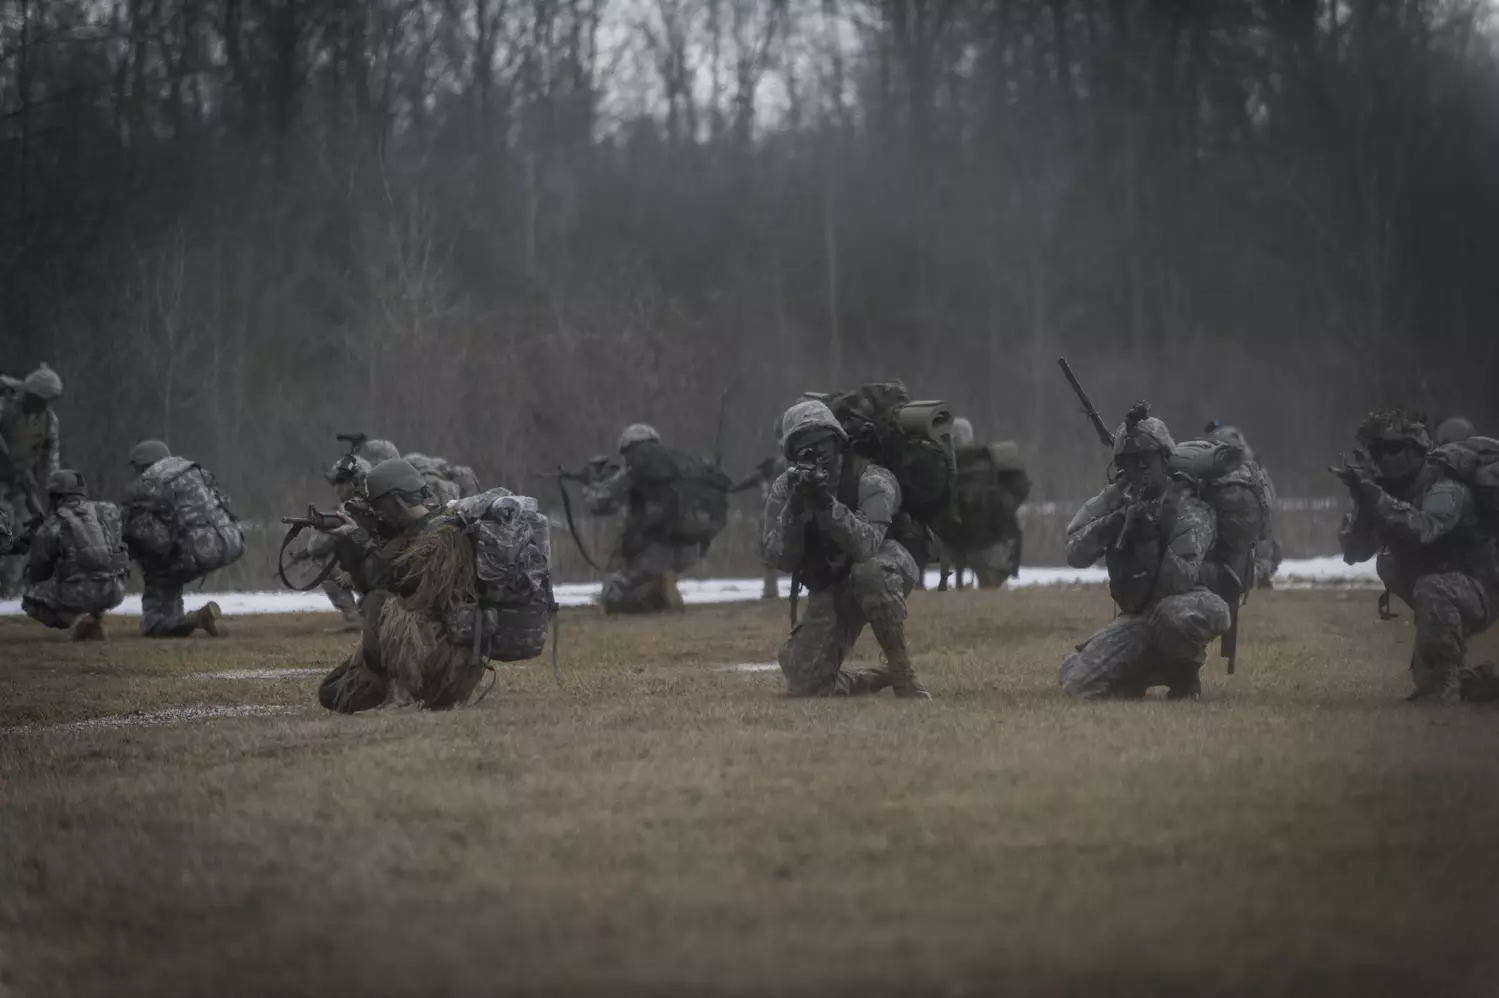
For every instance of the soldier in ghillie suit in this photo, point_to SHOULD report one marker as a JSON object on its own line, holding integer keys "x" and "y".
{"x": 832, "y": 521}
{"x": 29, "y": 454}
{"x": 1154, "y": 534}
{"x": 1267, "y": 551}
{"x": 1422, "y": 522}
{"x": 674, "y": 504}
{"x": 179, "y": 527}
{"x": 427, "y": 598}
{"x": 78, "y": 562}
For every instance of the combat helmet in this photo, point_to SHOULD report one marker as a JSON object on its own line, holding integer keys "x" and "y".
{"x": 66, "y": 482}
{"x": 44, "y": 383}
{"x": 638, "y": 433}
{"x": 1453, "y": 429}
{"x": 1395, "y": 425}
{"x": 395, "y": 475}
{"x": 349, "y": 468}
{"x": 810, "y": 414}
{"x": 375, "y": 451}
{"x": 1142, "y": 432}
{"x": 148, "y": 452}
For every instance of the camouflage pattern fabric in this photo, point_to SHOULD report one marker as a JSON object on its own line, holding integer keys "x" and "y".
{"x": 1148, "y": 565}
{"x": 874, "y": 592}
{"x": 1434, "y": 555}
{"x": 872, "y": 575}
{"x": 7, "y": 538}
{"x": 31, "y": 441}
{"x": 646, "y": 583}
{"x": 343, "y": 586}
{"x": 178, "y": 523}
{"x": 407, "y": 656}
{"x": 1164, "y": 646}
{"x": 1167, "y": 618}
{"x": 162, "y": 614}
{"x": 78, "y": 563}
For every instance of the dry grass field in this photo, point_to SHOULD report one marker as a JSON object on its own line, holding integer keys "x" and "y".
{"x": 659, "y": 825}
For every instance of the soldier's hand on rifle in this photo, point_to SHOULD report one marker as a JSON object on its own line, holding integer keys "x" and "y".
{"x": 1355, "y": 473}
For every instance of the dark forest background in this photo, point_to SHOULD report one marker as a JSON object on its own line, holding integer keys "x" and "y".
{"x": 497, "y": 230}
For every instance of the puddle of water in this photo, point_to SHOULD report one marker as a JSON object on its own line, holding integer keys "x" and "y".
{"x": 258, "y": 674}
{"x": 161, "y": 718}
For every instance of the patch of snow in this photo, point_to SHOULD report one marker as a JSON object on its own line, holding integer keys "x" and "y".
{"x": 1297, "y": 574}
{"x": 159, "y": 718}
{"x": 751, "y": 667}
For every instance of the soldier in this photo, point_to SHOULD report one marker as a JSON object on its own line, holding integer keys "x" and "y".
{"x": 29, "y": 454}
{"x": 1454, "y": 429}
{"x": 1432, "y": 549}
{"x": 403, "y": 657}
{"x": 1267, "y": 552}
{"x": 179, "y": 527}
{"x": 78, "y": 561}
{"x": 832, "y": 520}
{"x": 981, "y": 530}
{"x": 654, "y": 546}
{"x": 1154, "y": 534}
{"x": 345, "y": 586}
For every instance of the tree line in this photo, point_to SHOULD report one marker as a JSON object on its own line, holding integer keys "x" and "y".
{"x": 498, "y": 230}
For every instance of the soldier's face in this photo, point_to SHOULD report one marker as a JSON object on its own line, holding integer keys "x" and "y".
{"x": 344, "y": 491}
{"x": 820, "y": 448}
{"x": 1396, "y": 460}
{"x": 1142, "y": 471}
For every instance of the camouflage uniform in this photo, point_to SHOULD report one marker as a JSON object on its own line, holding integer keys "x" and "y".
{"x": 1431, "y": 550}
{"x": 78, "y": 561}
{"x": 362, "y": 681}
{"x": 343, "y": 588}
{"x": 7, "y": 539}
{"x": 155, "y": 507}
{"x": 855, "y": 572}
{"x": 1154, "y": 555}
{"x": 1267, "y": 551}
{"x": 645, "y": 579}
{"x": 435, "y": 471}
{"x": 409, "y": 653}
{"x": 29, "y": 443}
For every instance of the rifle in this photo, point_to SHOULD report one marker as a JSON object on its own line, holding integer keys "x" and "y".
{"x": 316, "y": 521}
{"x": 563, "y": 477}
{"x": 354, "y": 440}
{"x": 1099, "y": 427}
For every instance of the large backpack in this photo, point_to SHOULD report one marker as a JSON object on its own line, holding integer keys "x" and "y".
{"x": 991, "y": 485}
{"x": 1475, "y": 463}
{"x": 93, "y": 540}
{"x": 1239, "y": 494}
{"x": 913, "y": 440}
{"x": 513, "y": 561}
{"x": 683, "y": 498}
{"x": 181, "y": 521}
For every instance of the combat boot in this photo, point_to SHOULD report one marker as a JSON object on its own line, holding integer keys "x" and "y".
{"x": 207, "y": 617}
{"x": 670, "y": 594}
{"x": 889, "y": 629}
{"x": 869, "y": 680}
